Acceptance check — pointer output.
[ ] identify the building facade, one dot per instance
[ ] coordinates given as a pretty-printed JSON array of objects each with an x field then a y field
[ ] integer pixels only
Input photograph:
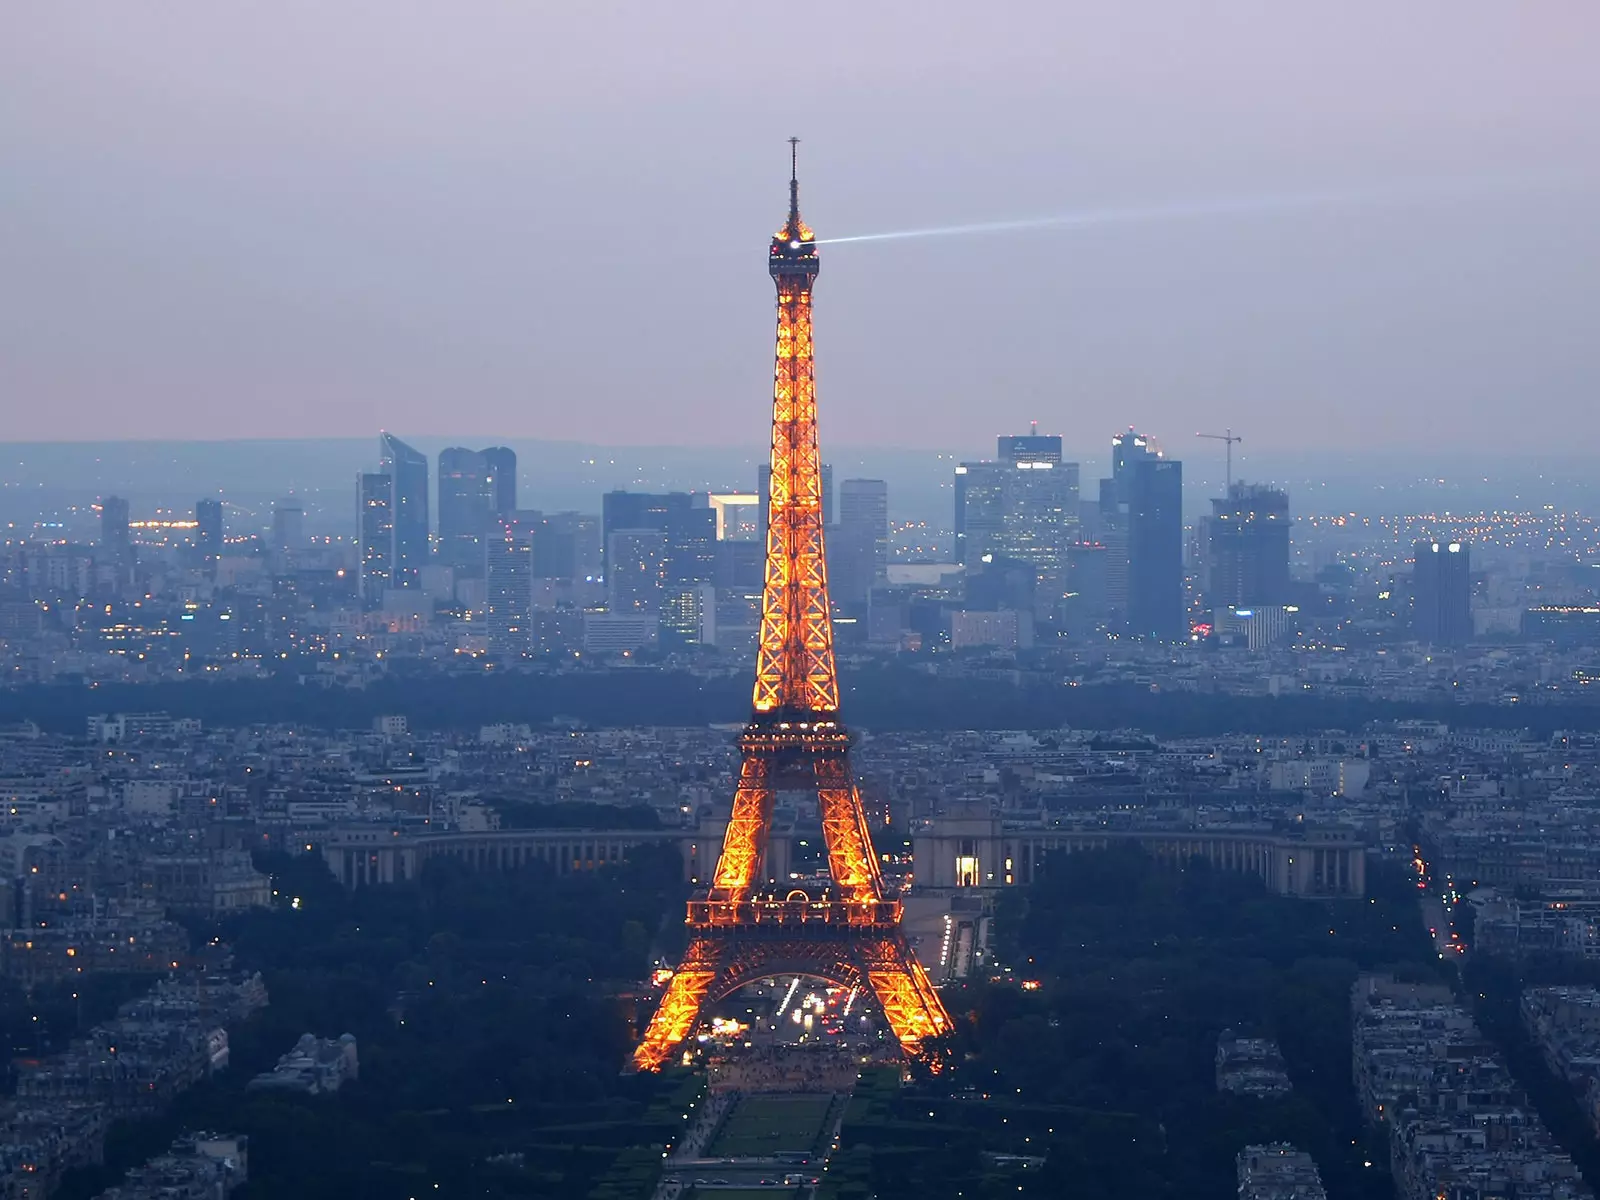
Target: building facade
[
  {"x": 1155, "y": 605},
  {"x": 375, "y": 536},
  {"x": 208, "y": 532},
  {"x": 1247, "y": 548},
  {"x": 1441, "y": 588},
  {"x": 508, "y": 595},
  {"x": 407, "y": 470},
  {"x": 858, "y": 546},
  {"x": 466, "y": 510}
]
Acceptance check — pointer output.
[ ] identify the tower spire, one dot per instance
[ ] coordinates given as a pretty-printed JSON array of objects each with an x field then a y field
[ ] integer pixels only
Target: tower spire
[{"x": 794, "y": 182}]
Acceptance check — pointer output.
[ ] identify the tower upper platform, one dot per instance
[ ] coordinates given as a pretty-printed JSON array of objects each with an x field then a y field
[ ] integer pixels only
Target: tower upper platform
[{"x": 794, "y": 247}]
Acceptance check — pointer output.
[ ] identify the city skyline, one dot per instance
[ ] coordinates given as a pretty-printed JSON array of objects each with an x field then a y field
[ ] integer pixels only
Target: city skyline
[
  {"x": 484, "y": 285},
  {"x": 830, "y": 814}
]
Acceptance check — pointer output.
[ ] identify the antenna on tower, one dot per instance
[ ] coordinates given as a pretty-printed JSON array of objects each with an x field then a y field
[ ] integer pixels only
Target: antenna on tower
[{"x": 794, "y": 179}]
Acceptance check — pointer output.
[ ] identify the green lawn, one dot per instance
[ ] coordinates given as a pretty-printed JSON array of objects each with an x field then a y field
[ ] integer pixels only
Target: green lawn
[{"x": 763, "y": 1125}]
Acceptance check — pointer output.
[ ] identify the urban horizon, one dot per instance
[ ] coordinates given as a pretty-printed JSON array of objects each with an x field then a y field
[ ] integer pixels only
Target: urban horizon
[{"x": 1191, "y": 792}]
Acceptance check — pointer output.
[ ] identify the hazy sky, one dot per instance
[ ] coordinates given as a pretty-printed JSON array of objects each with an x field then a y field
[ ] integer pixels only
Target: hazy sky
[{"x": 545, "y": 219}]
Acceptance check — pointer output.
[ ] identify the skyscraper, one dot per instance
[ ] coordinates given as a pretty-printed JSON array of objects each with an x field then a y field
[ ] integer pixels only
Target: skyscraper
[
  {"x": 1022, "y": 506},
  {"x": 688, "y": 521},
  {"x": 1248, "y": 547},
  {"x": 408, "y": 469},
  {"x": 555, "y": 548},
  {"x": 500, "y": 463},
  {"x": 375, "y": 534},
  {"x": 508, "y": 593},
  {"x": 858, "y": 546},
  {"x": 567, "y": 546},
  {"x": 1039, "y": 516},
  {"x": 1441, "y": 590},
  {"x": 115, "y": 537},
  {"x": 980, "y": 509},
  {"x": 692, "y": 543},
  {"x": 288, "y": 528},
  {"x": 689, "y": 615},
  {"x": 1029, "y": 447},
  {"x": 1127, "y": 451},
  {"x": 739, "y": 565},
  {"x": 208, "y": 532},
  {"x": 466, "y": 510},
  {"x": 1112, "y": 518},
  {"x": 1155, "y": 548},
  {"x": 637, "y": 570}
]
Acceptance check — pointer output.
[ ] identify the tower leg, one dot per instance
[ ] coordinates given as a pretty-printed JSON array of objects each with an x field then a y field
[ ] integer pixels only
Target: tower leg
[
  {"x": 852, "y": 862},
  {"x": 744, "y": 846},
  {"x": 905, "y": 993},
  {"x": 680, "y": 1006}
]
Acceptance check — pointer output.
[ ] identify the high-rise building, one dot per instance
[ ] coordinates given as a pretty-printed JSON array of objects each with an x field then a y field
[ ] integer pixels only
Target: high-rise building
[
  {"x": 375, "y": 535},
  {"x": 567, "y": 546},
  {"x": 1127, "y": 451},
  {"x": 408, "y": 469},
  {"x": 1029, "y": 447},
  {"x": 980, "y": 489},
  {"x": 1088, "y": 574},
  {"x": 1247, "y": 551},
  {"x": 858, "y": 546},
  {"x": 466, "y": 510},
  {"x": 508, "y": 591},
  {"x": 740, "y": 565},
  {"x": 116, "y": 539},
  {"x": 288, "y": 528},
  {"x": 1111, "y": 527},
  {"x": 999, "y": 583},
  {"x": 500, "y": 464},
  {"x": 1154, "y": 528},
  {"x": 1023, "y": 506},
  {"x": 1039, "y": 518},
  {"x": 692, "y": 544},
  {"x": 637, "y": 571},
  {"x": 689, "y": 615},
  {"x": 475, "y": 488},
  {"x": 208, "y": 532},
  {"x": 688, "y": 521},
  {"x": 555, "y": 548},
  {"x": 1441, "y": 593}
]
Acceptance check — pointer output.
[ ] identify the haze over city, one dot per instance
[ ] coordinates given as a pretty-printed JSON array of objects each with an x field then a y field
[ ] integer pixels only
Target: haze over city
[
  {"x": 533, "y": 221},
  {"x": 1080, "y": 682}
]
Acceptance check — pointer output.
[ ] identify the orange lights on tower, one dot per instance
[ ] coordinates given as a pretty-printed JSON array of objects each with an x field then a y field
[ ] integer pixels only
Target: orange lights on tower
[
  {"x": 749, "y": 924},
  {"x": 794, "y": 664}
]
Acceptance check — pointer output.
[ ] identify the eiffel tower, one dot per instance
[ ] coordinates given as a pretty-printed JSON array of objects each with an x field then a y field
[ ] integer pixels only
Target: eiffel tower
[{"x": 741, "y": 930}]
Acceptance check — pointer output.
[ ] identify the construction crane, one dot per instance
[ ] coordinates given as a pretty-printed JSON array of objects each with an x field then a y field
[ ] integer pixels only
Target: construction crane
[{"x": 1229, "y": 439}]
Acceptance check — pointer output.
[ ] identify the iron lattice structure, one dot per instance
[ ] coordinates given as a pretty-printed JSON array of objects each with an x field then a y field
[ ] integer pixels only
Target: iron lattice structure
[{"x": 747, "y": 926}]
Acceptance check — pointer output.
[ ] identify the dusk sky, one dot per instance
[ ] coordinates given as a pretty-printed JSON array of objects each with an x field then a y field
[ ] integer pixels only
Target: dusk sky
[{"x": 531, "y": 219}]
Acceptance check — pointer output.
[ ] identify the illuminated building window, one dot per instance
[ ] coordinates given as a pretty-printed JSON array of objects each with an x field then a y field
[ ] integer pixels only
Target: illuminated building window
[{"x": 966, "y": 870}]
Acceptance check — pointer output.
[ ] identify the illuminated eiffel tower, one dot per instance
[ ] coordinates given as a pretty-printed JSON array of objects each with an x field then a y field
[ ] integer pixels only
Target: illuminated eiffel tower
[{"x": 850, "y": 934}]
